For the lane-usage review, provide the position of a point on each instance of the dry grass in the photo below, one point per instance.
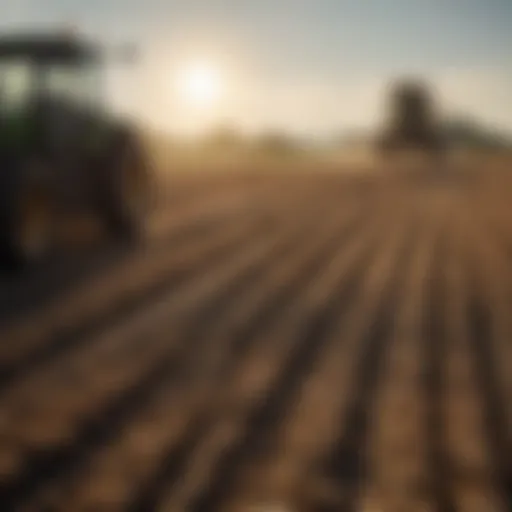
(175, 159)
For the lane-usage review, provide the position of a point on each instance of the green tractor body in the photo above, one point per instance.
(61, 151)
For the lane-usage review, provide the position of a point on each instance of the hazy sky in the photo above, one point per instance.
(312, 66)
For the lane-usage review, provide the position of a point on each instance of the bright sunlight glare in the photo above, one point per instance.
(200, 84)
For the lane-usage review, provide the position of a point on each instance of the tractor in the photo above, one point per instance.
(62, 152)
(411, 124)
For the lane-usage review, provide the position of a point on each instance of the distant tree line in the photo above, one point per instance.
(463, 132)
(271, 141)
(467, 132)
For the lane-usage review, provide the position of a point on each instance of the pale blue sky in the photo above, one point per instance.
(309, 65)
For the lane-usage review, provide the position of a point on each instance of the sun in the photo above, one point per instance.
(201, 84)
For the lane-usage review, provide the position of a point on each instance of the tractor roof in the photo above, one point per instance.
(47, 47)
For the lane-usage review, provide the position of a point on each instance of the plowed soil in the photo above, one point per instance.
(307, 342)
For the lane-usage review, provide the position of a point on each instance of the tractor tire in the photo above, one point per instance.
(26, 215)
(125, 191)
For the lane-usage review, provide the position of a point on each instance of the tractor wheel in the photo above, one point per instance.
(126, 194)
(27, 220)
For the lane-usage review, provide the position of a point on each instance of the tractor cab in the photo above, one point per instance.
(48, 64)
(51, 90)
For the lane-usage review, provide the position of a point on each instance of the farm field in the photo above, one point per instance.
(284, 342)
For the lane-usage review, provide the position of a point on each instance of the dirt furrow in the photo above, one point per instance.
(150, 366)
(434, 356)
(263, 385)
(396, 451)
(487, 467)
(342, 467)
(101, 368)
(277, 473)
(463, 405)
(489, 264)
(188, 388)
